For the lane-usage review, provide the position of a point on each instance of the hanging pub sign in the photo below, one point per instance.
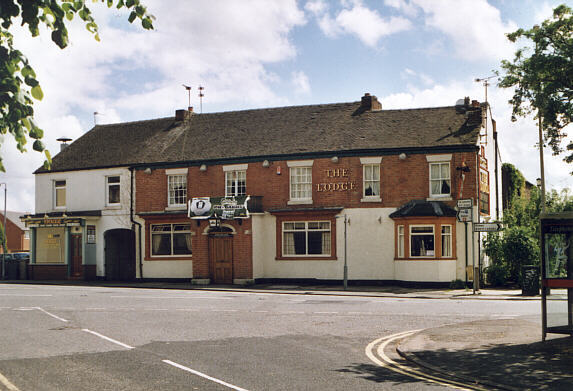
(226, 208)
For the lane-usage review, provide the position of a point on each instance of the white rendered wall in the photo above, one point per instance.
(86, 191)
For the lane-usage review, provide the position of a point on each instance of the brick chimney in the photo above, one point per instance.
(181, 115)
(370, 102)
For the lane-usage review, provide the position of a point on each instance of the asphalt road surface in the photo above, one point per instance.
(99, 338)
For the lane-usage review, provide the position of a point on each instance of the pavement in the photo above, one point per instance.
(505, 354)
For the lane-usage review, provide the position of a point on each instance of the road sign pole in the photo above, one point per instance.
(466, 246)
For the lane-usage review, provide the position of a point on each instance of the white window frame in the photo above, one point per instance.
(365, 165)
(420, 234)
(233, 175)
(439, 159)
(60, 187)
(171, 232)
(401, 241)
(295, 167)
(306, 230)
(172, 174)
(108, 185)
(447, 234)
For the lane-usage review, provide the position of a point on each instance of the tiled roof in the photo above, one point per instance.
(423, 208)
(295, 130)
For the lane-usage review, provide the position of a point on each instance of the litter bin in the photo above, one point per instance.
(23, 266)
(12, 269)
(529, 280)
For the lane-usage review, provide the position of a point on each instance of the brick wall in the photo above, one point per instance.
(16, 242)
(334, 184)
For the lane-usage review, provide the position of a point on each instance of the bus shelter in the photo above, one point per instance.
(557, 273)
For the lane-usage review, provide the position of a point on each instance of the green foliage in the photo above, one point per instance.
(18, 83)
(457, 284)
(496, 274)
(541, 76)
(519, 248)
(515, 182)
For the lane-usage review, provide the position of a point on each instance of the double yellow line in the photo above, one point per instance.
(375, 352)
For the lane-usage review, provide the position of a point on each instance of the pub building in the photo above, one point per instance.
(288, 193)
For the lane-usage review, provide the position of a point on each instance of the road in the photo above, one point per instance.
(100, 338)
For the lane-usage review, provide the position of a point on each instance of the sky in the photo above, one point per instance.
(257, 53)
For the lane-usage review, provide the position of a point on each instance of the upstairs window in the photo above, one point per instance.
(371, 180)
(60, 194)
(235, 180)
(113, 190)
(177, 190)
(301, 183)
(440, 182)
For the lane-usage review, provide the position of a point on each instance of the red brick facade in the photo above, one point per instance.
(335, 185)
(17, 241)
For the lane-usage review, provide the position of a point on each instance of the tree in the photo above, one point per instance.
(542, 76)
(18, 83)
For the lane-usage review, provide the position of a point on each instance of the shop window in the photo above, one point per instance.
(60, 194)
(177, 190)
(422, 241)
(235, 183)
(440, 182)
(170, 239)
(113, 190)
(306, 238)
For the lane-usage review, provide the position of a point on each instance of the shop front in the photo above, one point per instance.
(60, 247)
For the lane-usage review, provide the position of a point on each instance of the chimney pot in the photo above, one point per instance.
(475, 103)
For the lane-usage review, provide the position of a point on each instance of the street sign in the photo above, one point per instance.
(464, 215)
(488, 227)
(465, 203)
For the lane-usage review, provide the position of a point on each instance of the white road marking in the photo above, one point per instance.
(392, 365)
(224, 310)
(20, 295)
(7, 383)
(325, 312)
(42, 310)
(233, 387)
(187, 309)
(108, 339)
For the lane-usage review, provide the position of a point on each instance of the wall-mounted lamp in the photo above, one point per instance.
(334, 159)
(266, 163)
(538, 181)
(380, 219)
(147, 171)
(203, 167)
(278, 170)
(402, 156)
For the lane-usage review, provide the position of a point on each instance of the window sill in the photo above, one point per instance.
(371, 199)
(309, 258)
(299, 202)
(424, 259)
(176, 207)
(439, 198)
(112, 207)
(170, 258)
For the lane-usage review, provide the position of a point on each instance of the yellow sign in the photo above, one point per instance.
(343, 174)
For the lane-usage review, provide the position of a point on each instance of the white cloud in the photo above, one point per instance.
(408, 9)
(360, 21)
(300, 82)
(474, 27)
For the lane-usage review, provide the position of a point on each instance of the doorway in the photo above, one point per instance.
(119, 255)
(221, 255)
(76, 256)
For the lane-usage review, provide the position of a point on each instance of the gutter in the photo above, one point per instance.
(133, 223)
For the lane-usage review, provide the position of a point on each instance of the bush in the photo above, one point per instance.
(496, 274)
(457, 284)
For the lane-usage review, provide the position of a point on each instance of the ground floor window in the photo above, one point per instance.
(170, 239)
(423, 238)
(304, 238)
(422, 241)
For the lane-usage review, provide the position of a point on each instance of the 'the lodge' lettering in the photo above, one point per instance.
(337, 173)
(337, 186)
